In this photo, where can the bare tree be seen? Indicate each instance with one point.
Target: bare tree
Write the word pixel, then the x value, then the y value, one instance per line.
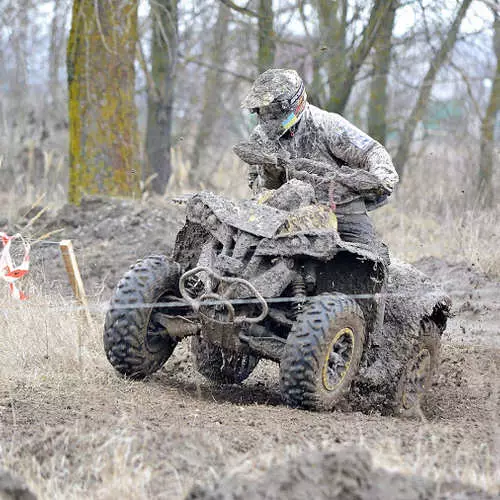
pixel 161 91
pixel 330 52
pixel 212 92
pixel 267 43
pixel 341 62
pixel 21 23
pixel 377 106
pixel 266 34
pixel 486 161
pixel 424 93
pixel 102 111
pixel 57 40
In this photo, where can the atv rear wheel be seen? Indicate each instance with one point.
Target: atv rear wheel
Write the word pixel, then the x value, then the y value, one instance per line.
pixel 135 344
pixel 417 376
pixel 322 353
pixel 220 365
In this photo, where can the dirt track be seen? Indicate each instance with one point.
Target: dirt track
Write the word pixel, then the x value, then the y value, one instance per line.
pixel 92 434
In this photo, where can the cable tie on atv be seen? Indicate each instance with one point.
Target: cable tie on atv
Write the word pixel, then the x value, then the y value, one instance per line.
pixel 9 272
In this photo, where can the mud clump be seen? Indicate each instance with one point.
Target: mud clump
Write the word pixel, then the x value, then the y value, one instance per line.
pixel 317 474
pixel 344 474
pixel 13 488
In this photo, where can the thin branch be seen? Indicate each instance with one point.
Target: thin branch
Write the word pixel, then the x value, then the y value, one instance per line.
pixel 465 79
pixel 237 8
pixel 151 86
pixel 163 35
pixel 304 20
pixel 493 5
pixel 191 60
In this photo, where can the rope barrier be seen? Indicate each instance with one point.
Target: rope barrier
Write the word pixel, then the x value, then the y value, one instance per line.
pixel 180 303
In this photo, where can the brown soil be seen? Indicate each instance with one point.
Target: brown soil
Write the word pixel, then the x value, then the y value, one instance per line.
pixel 89 433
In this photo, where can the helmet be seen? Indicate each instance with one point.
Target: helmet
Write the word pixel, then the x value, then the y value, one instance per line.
pixel 279 98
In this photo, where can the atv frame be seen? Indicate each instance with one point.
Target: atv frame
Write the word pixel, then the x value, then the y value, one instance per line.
pixel 248 281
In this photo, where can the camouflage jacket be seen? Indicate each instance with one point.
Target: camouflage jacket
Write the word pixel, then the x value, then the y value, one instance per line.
pixel 362 166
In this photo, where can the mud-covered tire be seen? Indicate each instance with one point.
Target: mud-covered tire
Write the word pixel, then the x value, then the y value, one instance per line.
pixel 219 365
pixel 129 335
pixel 411 391
pixel 304 367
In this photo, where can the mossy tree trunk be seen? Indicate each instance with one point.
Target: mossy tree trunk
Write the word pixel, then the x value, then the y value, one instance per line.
pixel 267 36
pixel 161 95
pixel 377 106
pixel 485 181
pixel 104 153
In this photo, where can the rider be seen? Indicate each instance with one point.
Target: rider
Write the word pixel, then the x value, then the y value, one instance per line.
pixel 360 172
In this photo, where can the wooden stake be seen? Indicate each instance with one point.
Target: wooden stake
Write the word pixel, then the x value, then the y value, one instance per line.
pixel 75 279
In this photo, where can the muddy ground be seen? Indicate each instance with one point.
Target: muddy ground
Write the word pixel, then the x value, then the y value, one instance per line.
pixel 91 434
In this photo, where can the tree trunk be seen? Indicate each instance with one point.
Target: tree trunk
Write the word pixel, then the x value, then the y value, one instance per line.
pixel 102 113
pixel 212 101
pixel 267 37
pixel 57 28
pixel 20 48
pixel 377 107
pixel 332 29
pixel 426 88
pixel 488 122
pixel 330 53
pixel 161 96
pixel 342 70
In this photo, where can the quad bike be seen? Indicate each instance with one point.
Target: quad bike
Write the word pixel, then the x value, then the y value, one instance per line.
pixel 248 280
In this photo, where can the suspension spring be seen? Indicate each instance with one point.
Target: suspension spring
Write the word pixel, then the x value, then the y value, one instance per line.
pixel 299 292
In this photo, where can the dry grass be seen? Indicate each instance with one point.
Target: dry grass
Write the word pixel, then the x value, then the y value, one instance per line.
pixel 40 360
pixel 434 459
pixel 103 452
pixel 435 211
pixel 430 459
pixel 471 237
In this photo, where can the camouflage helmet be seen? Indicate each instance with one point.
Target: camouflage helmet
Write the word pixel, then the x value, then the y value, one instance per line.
pixel 279 98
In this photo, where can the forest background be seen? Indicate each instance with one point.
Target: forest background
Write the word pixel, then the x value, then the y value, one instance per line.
pixel 141 98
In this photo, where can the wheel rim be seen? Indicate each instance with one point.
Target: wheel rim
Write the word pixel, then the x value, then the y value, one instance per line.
pixel 338 360
pixel 156 333
pixel 417 376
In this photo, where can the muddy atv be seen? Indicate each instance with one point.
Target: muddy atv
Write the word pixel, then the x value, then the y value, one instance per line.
pixel 253 279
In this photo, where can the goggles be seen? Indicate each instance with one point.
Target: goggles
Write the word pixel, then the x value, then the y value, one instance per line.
pixel 283 115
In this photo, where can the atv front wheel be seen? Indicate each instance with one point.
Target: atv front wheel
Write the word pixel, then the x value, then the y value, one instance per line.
pixel 220 365
pixel 135 344
pixel 417 376
pixel 322 353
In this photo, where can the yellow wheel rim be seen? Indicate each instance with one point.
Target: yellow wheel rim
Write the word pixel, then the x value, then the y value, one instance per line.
pixel 338 359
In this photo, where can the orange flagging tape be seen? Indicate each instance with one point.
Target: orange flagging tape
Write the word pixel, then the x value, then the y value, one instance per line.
pixel 9 272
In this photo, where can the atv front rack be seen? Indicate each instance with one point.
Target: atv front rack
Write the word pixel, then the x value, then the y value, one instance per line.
pixel 212 298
